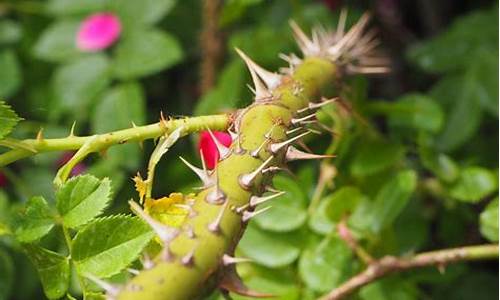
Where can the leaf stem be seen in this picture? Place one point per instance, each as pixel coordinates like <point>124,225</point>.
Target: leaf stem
<point>67,238</point>
<point>105,140</point>
<point>390,264</point>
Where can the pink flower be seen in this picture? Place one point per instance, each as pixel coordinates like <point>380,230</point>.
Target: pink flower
<point>98,31</point>
<point>209,149</point>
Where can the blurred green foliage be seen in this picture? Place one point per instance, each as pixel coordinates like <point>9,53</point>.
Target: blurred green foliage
<point>412,173</point>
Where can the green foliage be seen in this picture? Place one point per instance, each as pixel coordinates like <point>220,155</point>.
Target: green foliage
<point>116,242</point>
<point>81,199</point>
<point>9,119</point>
<point>53,270</point>
<point>489,221</point>
<point>6,274</point>
<point>36,220</point>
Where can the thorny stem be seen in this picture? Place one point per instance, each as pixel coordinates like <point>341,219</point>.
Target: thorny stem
<point>103,141</point>
<point>390,264</point>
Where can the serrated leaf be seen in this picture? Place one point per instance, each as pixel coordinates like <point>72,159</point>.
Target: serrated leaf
<point>268,249</point>
<point>76,84</point>
<point>82,198</point>
<point>373,156</point>
<point>57,43</point>
<point>326,265</point>
<point>8,119</point>
<point>35,221</point>
<point>144,52</point>
<point>53,270</point>
<point>10,73</point>
<point>116,242</point>
<point>488,221</point>
<point>289,208</point>
<point>474,184</point>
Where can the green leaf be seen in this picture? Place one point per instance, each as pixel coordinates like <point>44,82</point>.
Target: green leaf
<point>126,103</point>
<point>6,275</point>
<point>319,221</point>
<point>145,52</point>
<point>74,7</point>
<point>373,156</point>
<point>116,242</point>
<point>416,111</point>
<point>326,265</point>
<point>459,96</point>
<point>388,204</point>
<point>82,198</point>
<point>35,221</point>
<point>136,13</point>
<point>268,249</point>
<point>10,31</point>
<point>342,202</point>
<point>289,209</point>
<point>77,84</point>
<point>392,288</point>
<point>57,42</point>
<point>53,270</point>
<point>10,73</point>
<point>474,184</point>
<point>458,46</point>
<point>439,163</point>
<point>8,119</point>
<point>488,221</point>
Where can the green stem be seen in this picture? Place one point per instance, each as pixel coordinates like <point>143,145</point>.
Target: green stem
<point>67,238</point>
<point>103,141</point>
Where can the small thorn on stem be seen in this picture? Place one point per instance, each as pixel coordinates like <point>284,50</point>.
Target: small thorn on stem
<point>293,153</point>
<point>254,200</point>
<point>223,150</point>
<point>274,148</point>
<point>246,180</point>
<point>216,195</point>
<point>214,227</point>
<point>188,259</point>
<point>133,271</point>
<point>247,215</point>
<point>300,120</point>
<point>201,173</point>
<point>165,233</point>
<point>230,260</point>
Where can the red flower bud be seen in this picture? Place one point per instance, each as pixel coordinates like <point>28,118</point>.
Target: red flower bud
<point>209,149</point>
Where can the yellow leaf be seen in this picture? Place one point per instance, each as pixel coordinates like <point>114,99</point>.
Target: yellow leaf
<point>140,186</point>
<point>169,210</point>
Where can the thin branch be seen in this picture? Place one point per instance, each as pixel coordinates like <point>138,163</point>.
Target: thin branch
<point>105,140</point>
<point>391,264</point>
<point>211,44</point>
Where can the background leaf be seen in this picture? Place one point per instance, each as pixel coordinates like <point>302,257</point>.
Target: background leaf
<point>82,198</point>
<point>474,184</point>
<point>8,119</point>
<point>53,270</point>
<point>10,73</point>
<point>117,241</point>
<point>489,221</point>
<point>57,43</point>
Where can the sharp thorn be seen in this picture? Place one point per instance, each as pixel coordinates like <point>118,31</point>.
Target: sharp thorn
<point>240,209</point>
<point>255,153</point>
<point>246,180</point>
<point>72,130</point>
<point>166,254</point>
<point>317,105</point>
<point>147,262</point>
<point>223,150</point>
<point>133,271</point>
<point>293,130</point>
<point>274,148</point>
<point>229,260</point>
<point>214,227</point>
<point>216,195</point>
<point>254,200</point>
<point>39,135</point>
<point>269,188</point>
<point>296,121</point>
<point>293,153</point>
<point>190,232</point>
<point>165,233</point>
<point>272,169</point>
<point>271,80</point>
<point>201,173</point>
<point>261,91</point>
<point>188,259</point>
<point>247,215</point>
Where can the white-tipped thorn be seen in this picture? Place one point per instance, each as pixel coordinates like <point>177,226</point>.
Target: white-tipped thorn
<point>190,232</point>
<point>271,79</point>
<point>272,169</point>
<point>188,259</point>
<point>255,153</point>
<point>223,150</point>
<point>215,225</point>
<point>293,130</point>
<point>317,105</point>
<point>240,209</point>
<point>201,173</point>
<point>274,148</point>
<point>269,188</point>
<point>72,130</point>
<point>229,260</point>
<point>296,121</point>
<point>216,195</point>
<point>305,44</point>
<point>261,91</point>
<point>147,262</point>
<point>254,200</point>
<point>247,215</point>
<point>111,290</point>
<point>293,153</point>
<point>165,233</point>
<point>133,271</point>
<point>246,180</point>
